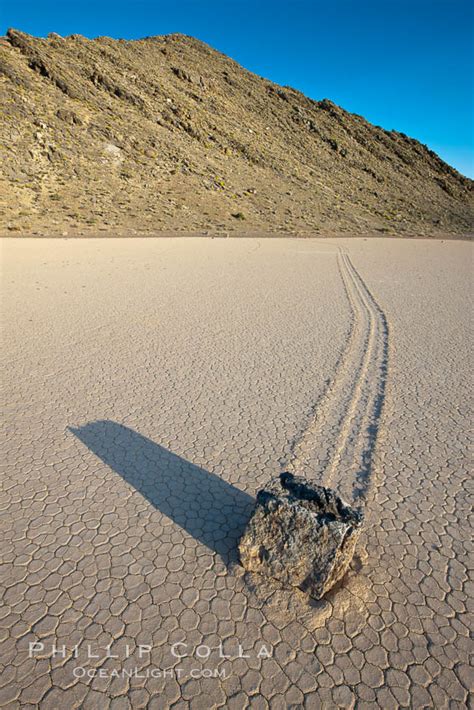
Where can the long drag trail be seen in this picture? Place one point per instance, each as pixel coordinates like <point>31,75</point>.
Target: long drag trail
<point>338,442</point>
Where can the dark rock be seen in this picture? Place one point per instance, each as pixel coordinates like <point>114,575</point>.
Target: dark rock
<point>68,116</point>
<point>182,74</point>
<point>301,534</point>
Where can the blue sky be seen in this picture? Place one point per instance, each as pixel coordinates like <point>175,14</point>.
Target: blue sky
<point>402,64</point>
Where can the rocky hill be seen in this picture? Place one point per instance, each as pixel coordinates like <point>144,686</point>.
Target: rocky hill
<point>162,134</point>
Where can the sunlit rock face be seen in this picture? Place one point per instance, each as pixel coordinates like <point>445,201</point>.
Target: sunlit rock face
<point>301,534</point>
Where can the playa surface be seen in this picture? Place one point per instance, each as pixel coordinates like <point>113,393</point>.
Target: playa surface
<point>152,387</point>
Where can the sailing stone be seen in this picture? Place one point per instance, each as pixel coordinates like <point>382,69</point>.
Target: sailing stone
<point>301,534</point>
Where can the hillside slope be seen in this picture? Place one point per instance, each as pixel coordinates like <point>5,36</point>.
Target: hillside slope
<point>165,133</point>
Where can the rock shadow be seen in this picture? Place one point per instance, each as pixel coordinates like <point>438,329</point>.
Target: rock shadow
<point>213,511</point>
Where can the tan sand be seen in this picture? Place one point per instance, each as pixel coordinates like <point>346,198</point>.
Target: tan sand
<point>152,386</point>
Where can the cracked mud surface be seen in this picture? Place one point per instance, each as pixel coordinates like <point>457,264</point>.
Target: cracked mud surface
<point>152,386</point>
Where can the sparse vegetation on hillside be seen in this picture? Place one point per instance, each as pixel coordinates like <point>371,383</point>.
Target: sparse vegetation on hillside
<point>165,133</point>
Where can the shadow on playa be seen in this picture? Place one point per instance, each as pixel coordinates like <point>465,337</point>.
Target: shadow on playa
<point>213,511</point>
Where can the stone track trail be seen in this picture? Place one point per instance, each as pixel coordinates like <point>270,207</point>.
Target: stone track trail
<point>338,441</point>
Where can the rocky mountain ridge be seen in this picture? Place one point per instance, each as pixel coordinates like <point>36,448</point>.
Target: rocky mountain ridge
<point>165,134</point>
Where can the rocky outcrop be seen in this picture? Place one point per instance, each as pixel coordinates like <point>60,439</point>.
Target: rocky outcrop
<point>301,534</point>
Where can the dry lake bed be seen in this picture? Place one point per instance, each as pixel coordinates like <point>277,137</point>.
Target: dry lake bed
<point>151,388</point>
